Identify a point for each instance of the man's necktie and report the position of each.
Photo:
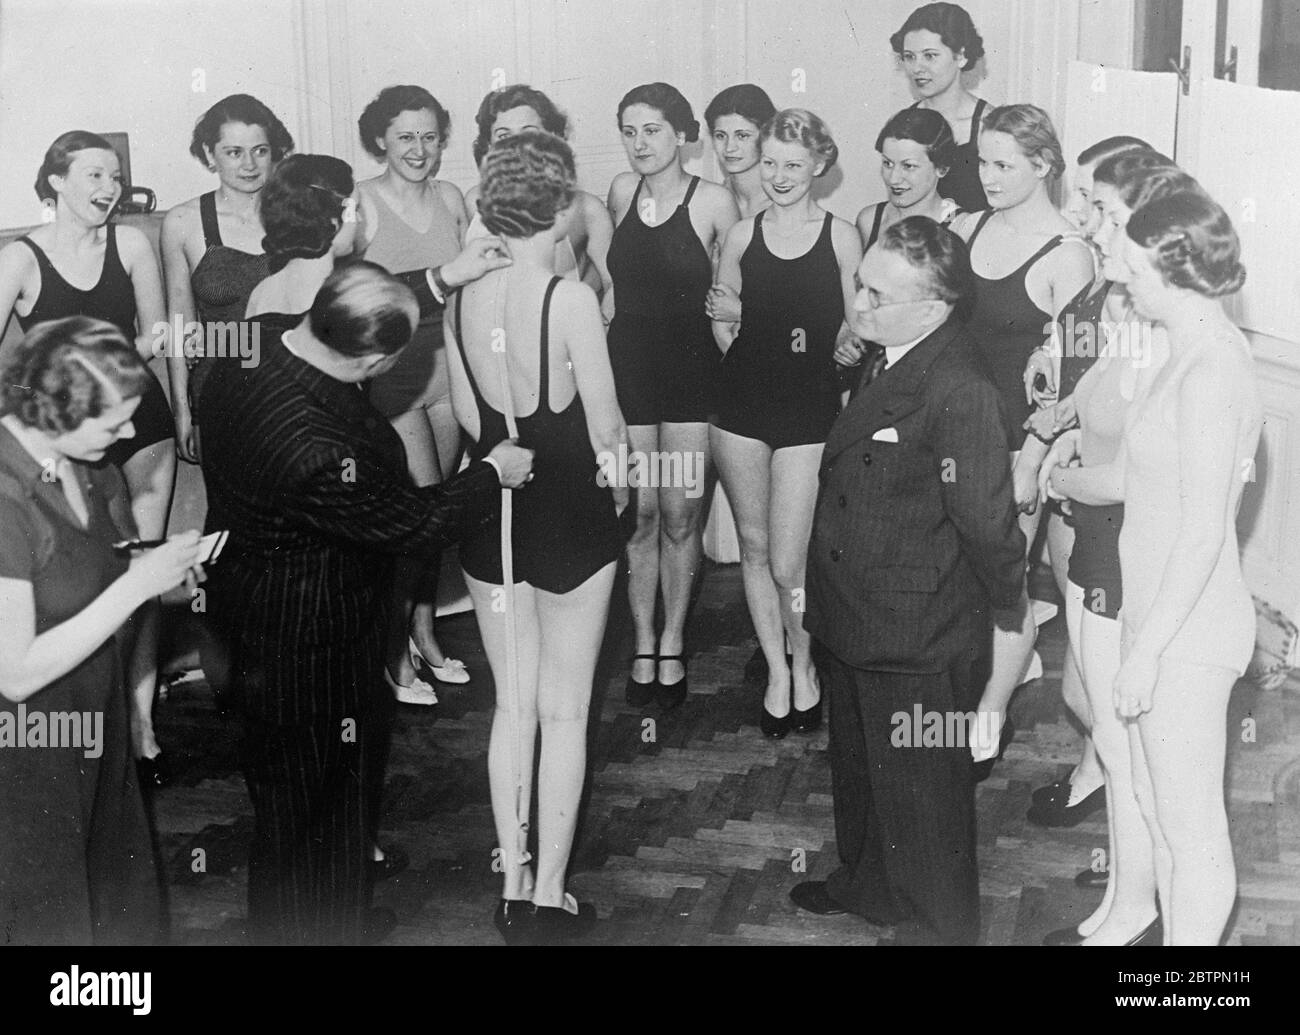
(873, 362)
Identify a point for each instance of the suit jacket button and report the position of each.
(835, 555)
(866, 459)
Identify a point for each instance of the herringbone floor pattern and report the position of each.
(695, 826)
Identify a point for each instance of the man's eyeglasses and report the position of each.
(876, 304)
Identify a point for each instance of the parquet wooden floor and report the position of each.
(695, 827)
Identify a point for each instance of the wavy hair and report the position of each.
(528, 180)
(800, 126)
(302, 206)
(520, 95)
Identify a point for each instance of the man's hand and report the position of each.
(848, 349)
(480, 256)
(516, 463)
(1064, 453)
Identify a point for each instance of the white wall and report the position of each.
(130, 65)
(110, 65)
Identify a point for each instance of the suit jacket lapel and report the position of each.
(892, 395)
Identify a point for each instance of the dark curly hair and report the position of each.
(528, 180)
(302, 207)
(669, 102)
(746, 100)
(950, 23)
(1195, 244)
(391, 102)
(940, 254)
(925, 127)
(1142, 176)
(51, 381)
(520, 95)
(239, 107)
(58, 158)
(361, 310)
(800, 126)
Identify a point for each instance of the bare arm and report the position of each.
(737, 240)
(13, 270)
(462, 395)
(584, 334)
(180, 301)
(146, 281)
(600, 232)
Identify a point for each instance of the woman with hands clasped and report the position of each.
(1187, 450)
(76, 859)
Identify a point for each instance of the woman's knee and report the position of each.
(679, 524)
(787, 572)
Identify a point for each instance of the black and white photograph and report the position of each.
(651, 473)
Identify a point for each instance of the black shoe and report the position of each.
(1059, 813)
(153, 772)
(1053, 795)
(756, 667)
(514, 919)
(395, 860)
(552, 924)
(807, 720)
(983, 770)
(379, 923)
(670, 695)
(1092, 879)
(812, 896)
(1064, 936)
(640, 694)
(774, 727)
(1152, 934)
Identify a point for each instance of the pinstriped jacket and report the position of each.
(915, 531)
(312, 483)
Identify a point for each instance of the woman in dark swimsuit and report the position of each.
(667, 224)
(793, 266)
(76, 856)
(566, 537)
(212, 244)
(936, 44)
(80, 183)
(1025, 270)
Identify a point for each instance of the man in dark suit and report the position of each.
(914, 540)
(312, 483)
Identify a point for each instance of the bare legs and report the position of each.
(432, 440)
(773, 553)
(666, 547)
(1179, 752)
(150, 477)
(559, 642)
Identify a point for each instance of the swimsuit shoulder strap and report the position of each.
(984, 218)
(690, 192)
(208, 216)
(875, 223)
(460, 344)
(976, 118)
(544, 349)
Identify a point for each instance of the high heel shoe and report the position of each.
(983, 770)
(452, 670)
(153, 772)
(418, 692)
(1063, 936)
(1152, 934)
(774, 726)
(638, 695)
(805, 720)
(555, 923)
(670, 695)
(514, 919)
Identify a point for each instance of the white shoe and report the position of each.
(452, 670)
(1035, 669)
(1044, 611)
(418, 692)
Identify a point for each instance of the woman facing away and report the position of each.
(76, 858)
(41, 278)
(212, 245)
(531, 344)
(582, 248)
(666, 226)
(1028, 262)
(936, 44)
(1188, 620)
(411, 220)
(793, 266)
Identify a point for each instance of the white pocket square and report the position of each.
(885, 435)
